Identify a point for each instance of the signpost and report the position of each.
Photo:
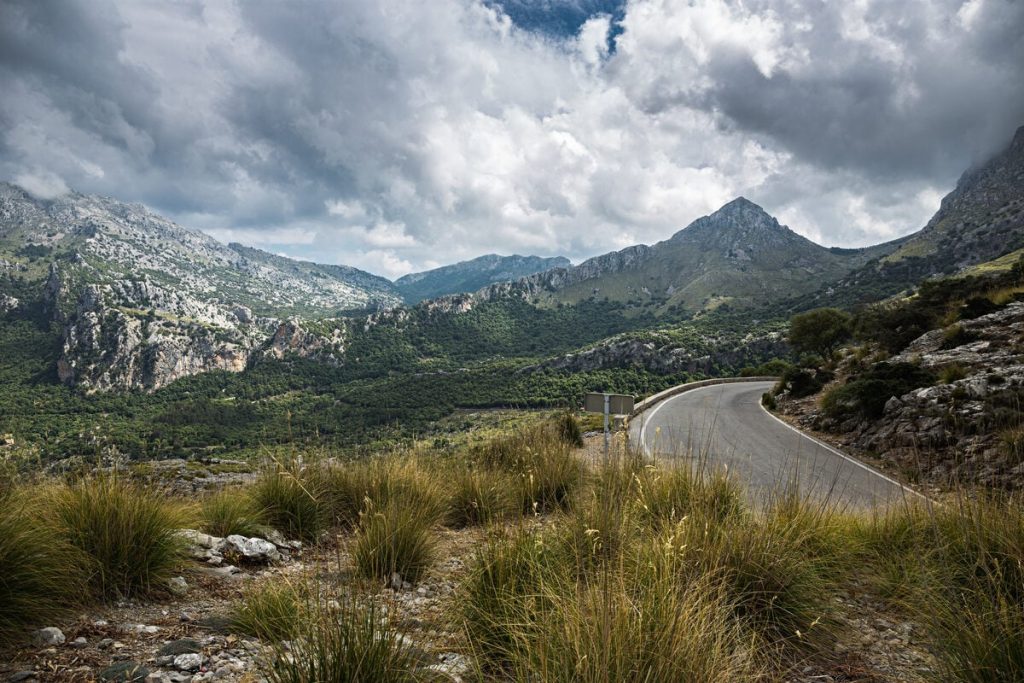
(609, 404)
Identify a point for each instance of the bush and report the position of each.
(800, 382)
(868, 393)
(349, 645)
(291, 501)
(230, 512)
(127, 533)
(544, 466)
(768, 400)
(952, 373)
(270, 611)
(1012, 443)
(395, 539)
(957, 336)
(42, 577)
(479, 497)
(569, 430)
(820, 331)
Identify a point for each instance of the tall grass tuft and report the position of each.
(291, 500)
(126, 532)
(42, 576)
(350, 489)
(665, 495)
(478, 497)
(544, 466)
(270, 611)
(231, 511)
(350, 645)
(394, 539)
(569, 430)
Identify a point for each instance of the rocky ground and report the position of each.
(950, 434)
(186, 634)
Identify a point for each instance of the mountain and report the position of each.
(738, 255)
(469, 276)
(979, 221)
(142, 301)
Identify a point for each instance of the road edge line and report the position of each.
(842, 455)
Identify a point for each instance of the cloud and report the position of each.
(397, 135)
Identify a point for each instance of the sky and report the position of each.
(400, 135)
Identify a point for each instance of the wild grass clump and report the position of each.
(569, 430)
(637, 628)
(127, 533)
(665, 495)
(270, 611)
(1011, 441)
(502, 600)
(349, 645)
(42, 576)
(350, 488)
(394, 539)
(290, 499)
(544, 466)
(479, 497)
(231, 511)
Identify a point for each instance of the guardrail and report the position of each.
(683, 388)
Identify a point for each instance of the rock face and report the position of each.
(661, 354)
(953, 431)
(143, 302)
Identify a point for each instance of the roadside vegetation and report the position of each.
(628, 570)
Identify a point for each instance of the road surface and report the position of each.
(725, 425)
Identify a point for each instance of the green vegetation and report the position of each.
(42, 574)
(394, 540)
(230, 511)
(348, 645)
(125, 532)
(867, 394)
(820, 331)
(271, 611)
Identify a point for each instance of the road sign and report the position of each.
(618, 404)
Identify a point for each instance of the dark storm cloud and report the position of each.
(401, 134)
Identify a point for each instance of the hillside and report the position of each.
(739, 255)
(469, 276)
(979, 221)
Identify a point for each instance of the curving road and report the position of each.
(725, 425)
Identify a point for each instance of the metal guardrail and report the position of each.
(643, 405)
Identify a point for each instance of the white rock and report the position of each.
(51, 635)
(253, 549)
(178, 585)
(188, 662)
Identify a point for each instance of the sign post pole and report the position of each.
(607, 426)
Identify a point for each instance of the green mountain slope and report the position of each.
(469, 276)
(738, 255)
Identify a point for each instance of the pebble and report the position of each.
(188, 662)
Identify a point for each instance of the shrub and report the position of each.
(569, 430)
(230, 512)
(42, 576)
(479, 497)
(799, 382)
(1012, 442)
(394, 539)
(291, 501)
(868, 393)
(127, 533)
(952, 373)
(349, 645)
(768, 400)
(955, 336)
(270, 611)
(820, 331)
(977, 306)
(544, 466)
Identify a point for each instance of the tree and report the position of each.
(820, 331)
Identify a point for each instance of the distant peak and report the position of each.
(740, 204)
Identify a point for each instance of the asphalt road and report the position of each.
(725, 425)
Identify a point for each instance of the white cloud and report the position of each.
(42, 184)
(396, 135)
